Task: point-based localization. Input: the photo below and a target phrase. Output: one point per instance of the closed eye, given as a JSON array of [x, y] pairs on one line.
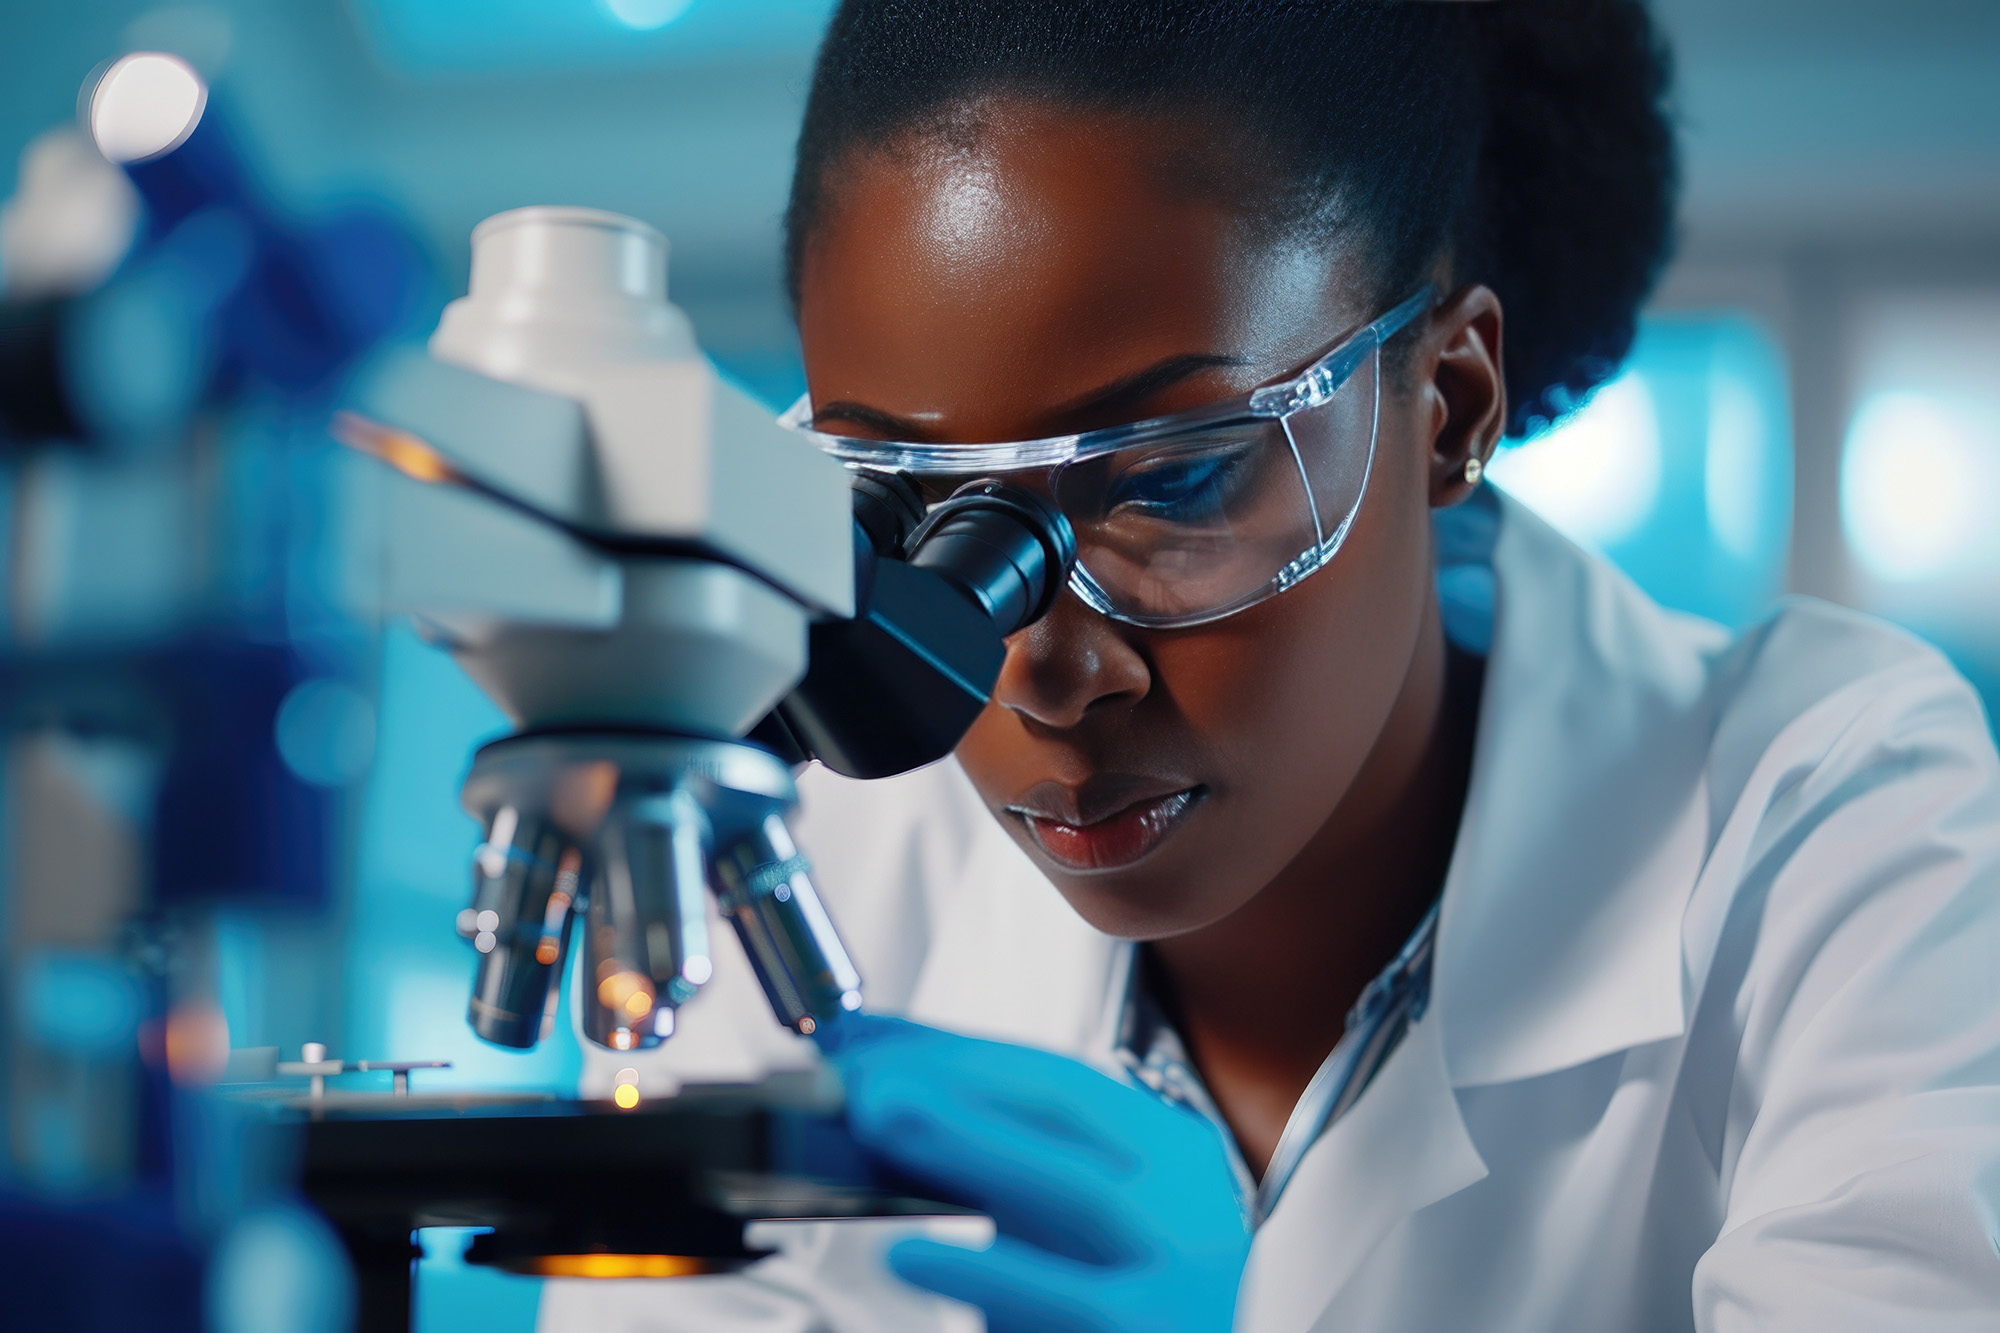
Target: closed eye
[[1180, 487]]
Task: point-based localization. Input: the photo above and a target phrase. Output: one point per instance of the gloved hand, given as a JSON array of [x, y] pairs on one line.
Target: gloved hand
[[1116, 1212]]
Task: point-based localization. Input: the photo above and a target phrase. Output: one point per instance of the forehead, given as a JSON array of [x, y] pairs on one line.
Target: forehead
[[1028, 254]]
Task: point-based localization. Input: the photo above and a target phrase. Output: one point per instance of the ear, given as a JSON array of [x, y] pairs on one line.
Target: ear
[[1462, 390]]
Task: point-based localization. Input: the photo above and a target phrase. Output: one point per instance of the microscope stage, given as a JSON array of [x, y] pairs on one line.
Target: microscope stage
[[584, 1187]]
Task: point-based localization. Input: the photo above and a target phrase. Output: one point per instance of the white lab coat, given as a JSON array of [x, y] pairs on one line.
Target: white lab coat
[[1714, 1042]]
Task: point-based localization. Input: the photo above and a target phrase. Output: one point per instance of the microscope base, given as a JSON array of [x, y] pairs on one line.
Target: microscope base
[[584, 1189]]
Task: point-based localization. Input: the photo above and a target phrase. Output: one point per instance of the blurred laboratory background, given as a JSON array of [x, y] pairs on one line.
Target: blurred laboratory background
[[1813, 406]]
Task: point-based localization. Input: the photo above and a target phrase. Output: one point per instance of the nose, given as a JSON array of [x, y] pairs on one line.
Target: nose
[[1068, 664]]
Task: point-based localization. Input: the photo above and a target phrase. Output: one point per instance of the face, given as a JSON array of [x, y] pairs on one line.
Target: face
[[1035, 271]]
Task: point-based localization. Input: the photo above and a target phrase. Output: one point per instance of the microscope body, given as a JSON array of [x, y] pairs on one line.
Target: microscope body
[[626, 552], [644, 569]]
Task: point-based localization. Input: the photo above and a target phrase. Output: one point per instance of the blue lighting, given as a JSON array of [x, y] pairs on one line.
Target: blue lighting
[[487, 36], [646, 15], [78, 1003], [1679, 470], [453, 1294]]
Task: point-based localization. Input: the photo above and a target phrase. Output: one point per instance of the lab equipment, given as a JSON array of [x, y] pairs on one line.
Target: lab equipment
[[158, 634], [1115, 1210], [642, 568], [315, 1066], [276, 305], [1188, 518], [630, 1189]]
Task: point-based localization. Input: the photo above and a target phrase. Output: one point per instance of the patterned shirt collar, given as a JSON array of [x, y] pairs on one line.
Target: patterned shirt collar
[[1154, 1056]]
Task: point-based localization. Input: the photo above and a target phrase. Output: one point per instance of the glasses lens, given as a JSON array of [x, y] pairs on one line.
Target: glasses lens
[[1206, 523], [1167, 530]]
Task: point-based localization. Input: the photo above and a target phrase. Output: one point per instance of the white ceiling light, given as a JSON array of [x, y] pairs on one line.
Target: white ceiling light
[[1911, 480], [1596, 476], [146, 103], [645, 15]]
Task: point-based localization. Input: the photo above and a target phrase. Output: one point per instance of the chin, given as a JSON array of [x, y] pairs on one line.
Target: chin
[[1140, 903]]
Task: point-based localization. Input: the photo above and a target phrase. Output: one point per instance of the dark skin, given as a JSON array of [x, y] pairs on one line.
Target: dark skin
[[1036, 270]]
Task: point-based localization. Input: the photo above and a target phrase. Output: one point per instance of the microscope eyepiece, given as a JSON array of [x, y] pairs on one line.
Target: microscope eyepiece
[[1005, 546], [888, 507], [897, 687]]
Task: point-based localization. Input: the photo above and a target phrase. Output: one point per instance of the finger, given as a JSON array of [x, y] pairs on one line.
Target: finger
[[845, 1033], [1045, 1189], [1021, 1289], [1067, 1097], [935, 1130], [850, 1037]]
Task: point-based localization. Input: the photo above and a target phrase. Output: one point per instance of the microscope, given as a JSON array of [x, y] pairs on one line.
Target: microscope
[[675, 600]]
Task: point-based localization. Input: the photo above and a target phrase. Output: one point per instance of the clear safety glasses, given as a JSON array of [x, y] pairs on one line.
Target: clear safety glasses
[[1187, 518]]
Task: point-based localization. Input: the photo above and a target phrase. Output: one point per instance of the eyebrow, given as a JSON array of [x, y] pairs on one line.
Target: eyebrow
[[887, 424], [1119, 395], [1137, 388]]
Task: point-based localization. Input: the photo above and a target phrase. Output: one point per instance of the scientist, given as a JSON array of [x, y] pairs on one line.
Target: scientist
[[1441, 935]]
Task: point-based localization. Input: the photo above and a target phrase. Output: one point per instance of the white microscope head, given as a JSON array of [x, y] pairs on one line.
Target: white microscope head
[[591, 409], [573, 301]]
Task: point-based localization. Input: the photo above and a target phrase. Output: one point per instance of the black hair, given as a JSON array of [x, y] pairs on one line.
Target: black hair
[[1526, 141]]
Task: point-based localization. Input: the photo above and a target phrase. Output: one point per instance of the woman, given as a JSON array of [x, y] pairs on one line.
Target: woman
[[1476, 945]]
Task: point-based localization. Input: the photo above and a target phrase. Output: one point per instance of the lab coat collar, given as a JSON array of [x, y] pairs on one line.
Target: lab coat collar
[[1586, 822], [1401, 1147], [1559, 930]]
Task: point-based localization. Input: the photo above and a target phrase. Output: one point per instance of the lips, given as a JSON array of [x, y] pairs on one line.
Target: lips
[[1106, 825]]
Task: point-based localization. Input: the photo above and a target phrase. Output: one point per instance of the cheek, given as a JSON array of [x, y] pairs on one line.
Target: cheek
[[1295, 692], [1290, 699]]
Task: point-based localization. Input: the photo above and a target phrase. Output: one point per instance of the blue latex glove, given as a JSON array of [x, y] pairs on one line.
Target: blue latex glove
[[1115, 1211]]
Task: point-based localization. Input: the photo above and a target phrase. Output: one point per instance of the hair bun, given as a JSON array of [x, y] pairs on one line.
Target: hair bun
[[1578, 186]]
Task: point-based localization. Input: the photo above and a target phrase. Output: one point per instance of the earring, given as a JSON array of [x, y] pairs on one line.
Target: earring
[[1475, 468]]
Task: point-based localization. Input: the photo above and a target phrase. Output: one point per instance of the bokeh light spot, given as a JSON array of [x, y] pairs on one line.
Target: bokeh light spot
[[645, 15], [1596, 475], [146, 103], [1911, 480], [326, 733]]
